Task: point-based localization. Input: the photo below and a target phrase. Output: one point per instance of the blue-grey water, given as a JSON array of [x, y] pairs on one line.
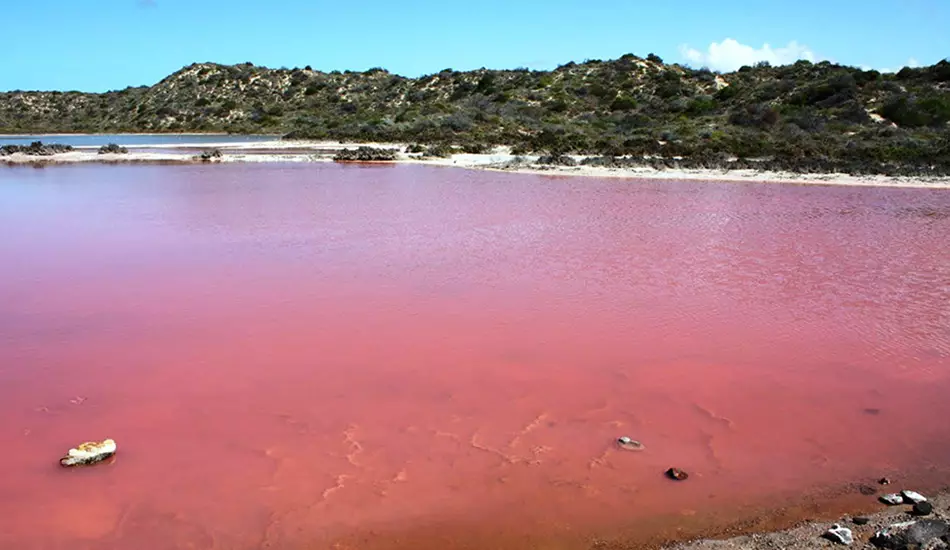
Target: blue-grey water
[[96, 140]]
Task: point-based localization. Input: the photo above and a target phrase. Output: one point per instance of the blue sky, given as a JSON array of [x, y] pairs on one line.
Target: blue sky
[[97, 45]]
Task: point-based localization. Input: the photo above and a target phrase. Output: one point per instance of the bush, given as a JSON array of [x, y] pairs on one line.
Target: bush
[[623, 103], [112, 149], [36, 148], [911, 112], [557, 160], [366, 154], [438, 151]]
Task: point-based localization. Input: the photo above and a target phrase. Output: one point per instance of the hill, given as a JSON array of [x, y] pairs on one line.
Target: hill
[[802, 117]]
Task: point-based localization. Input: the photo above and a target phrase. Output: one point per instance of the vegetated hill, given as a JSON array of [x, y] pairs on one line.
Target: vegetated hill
[[805, 116]]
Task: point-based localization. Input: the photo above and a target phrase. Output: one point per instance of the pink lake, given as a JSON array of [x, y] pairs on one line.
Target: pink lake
[[325, 356]]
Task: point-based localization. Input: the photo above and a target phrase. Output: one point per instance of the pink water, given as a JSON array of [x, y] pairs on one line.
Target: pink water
[[408, 357]]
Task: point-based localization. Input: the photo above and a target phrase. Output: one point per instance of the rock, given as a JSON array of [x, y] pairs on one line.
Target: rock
[[884, 481], [922, 508], [89, 453], [839, 534], [910, 534], [892, 499], [867, 490], [677, 474], [112, 149], [911, 496], [629, 444], [861, 520], [925, 530]]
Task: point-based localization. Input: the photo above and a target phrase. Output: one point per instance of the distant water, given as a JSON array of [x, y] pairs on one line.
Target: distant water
[[95, 140], [385, 358]]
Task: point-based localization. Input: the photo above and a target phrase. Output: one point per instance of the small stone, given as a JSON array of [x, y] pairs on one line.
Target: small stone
[[861, 520], [839, 534], [629, 444], [867, 490], [884, 481], [677, 474], [892, 499], [89, 453], [911, 496], [922, 508]]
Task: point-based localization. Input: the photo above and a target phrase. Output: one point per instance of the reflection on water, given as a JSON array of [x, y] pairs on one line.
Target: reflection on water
[[382, 357]]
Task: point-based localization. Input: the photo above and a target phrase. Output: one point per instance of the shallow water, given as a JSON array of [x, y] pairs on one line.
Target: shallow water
[[97, 140], [405, 356]]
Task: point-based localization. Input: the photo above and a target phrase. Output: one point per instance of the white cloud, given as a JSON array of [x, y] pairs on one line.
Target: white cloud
[[730, 54], [912, 63]]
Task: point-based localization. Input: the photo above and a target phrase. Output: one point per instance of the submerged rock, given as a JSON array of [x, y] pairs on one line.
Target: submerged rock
[[677, 474], [839, 534], [629, 444], [892, 499], [89, 453], [861, 520], [913, 497]]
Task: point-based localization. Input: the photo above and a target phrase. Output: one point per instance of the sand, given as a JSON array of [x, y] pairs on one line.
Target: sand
[[499, 159]]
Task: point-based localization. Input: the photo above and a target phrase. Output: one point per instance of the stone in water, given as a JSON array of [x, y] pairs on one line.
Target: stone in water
[[677, 474], [89, 453], [629, 444]]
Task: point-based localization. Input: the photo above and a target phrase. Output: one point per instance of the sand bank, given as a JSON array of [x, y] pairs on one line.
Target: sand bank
[[500, 159]]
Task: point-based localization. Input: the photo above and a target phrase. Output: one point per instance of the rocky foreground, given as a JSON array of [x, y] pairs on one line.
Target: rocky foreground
[[910, 525]]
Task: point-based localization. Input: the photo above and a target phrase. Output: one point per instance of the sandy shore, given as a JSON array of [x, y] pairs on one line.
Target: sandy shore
[[500, 159]]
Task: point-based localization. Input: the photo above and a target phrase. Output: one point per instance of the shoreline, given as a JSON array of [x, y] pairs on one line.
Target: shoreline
[[810, 534], [499, 159]]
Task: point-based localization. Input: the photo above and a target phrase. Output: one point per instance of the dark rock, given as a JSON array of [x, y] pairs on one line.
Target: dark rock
[[867, 490], [922, 508], [37, 148], [208, 156], [884, 481], [112, 149], [677, 474], [861, 520]]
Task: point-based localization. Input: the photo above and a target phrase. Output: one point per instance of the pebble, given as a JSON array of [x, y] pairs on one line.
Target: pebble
[[911, 496], [923, 508], [884, 481], [860, 520], [677, 474], [892, 499], [839, 534]]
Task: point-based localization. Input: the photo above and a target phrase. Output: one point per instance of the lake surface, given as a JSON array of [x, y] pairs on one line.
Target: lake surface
[[98, 140], [325, 356]]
